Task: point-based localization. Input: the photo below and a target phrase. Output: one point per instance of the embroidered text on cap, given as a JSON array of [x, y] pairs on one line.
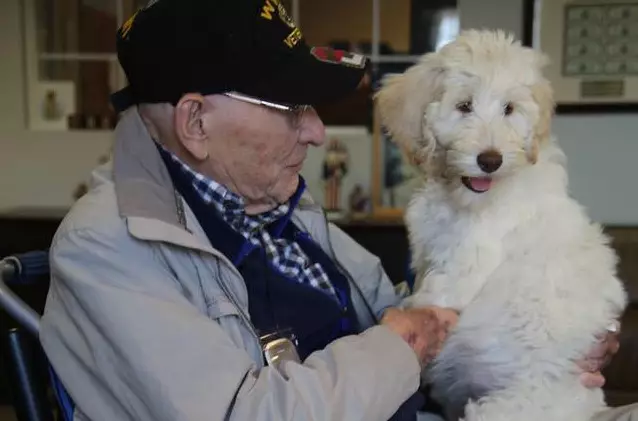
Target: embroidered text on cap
[[268, 9]]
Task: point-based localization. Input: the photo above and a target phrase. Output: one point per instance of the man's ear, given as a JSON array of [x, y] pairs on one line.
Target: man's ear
[[402, 102], [189, 125]]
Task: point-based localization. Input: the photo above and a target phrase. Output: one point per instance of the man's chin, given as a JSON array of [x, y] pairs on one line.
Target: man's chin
[[287, 188]]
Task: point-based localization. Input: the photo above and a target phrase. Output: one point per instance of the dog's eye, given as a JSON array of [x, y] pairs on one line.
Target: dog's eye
[[508, 108], [464, 107]]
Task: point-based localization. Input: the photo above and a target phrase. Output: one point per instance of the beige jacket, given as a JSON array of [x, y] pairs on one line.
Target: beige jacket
[[146, 321]]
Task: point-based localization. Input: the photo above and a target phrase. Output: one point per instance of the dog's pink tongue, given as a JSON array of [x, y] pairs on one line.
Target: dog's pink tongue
[[481, 183]]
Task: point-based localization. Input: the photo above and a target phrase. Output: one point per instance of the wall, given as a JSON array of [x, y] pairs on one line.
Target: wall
[[37, 169], [601, 149]]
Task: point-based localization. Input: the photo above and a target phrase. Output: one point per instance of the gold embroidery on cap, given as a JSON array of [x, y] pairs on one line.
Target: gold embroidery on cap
[[266, 11], [284, 16], [128, 25], [293, 38]]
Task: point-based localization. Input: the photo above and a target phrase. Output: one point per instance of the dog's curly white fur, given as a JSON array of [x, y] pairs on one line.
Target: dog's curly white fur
[[498, 237]]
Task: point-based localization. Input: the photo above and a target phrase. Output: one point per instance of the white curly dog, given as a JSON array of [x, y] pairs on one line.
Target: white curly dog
[[495, 234]]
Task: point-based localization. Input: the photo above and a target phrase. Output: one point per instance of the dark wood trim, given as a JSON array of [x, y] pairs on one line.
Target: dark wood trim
[[586, 108], [528, 22]]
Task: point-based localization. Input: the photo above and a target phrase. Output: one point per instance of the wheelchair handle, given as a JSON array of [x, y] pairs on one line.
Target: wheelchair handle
[[30, 266], [22, 269]]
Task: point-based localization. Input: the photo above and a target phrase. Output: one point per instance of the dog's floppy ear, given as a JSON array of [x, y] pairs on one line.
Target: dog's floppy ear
[[543, 96], [401, 103]]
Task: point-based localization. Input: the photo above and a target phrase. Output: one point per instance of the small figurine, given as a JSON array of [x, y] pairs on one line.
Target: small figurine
[[358, 200], [335, 167]]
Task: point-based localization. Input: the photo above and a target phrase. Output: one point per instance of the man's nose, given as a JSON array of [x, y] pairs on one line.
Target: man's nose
[[312, 130]]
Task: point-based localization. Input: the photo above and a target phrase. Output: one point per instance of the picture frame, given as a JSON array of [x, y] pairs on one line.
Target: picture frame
[[50, 105], [393, 177], [356, 143], [593, 53]]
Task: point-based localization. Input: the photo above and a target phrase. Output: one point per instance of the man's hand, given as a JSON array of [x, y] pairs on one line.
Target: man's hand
[[424, 329], [598, 358]]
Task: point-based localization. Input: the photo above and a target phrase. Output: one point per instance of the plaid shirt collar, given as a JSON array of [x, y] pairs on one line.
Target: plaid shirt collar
[[229, 204], [287, 256]]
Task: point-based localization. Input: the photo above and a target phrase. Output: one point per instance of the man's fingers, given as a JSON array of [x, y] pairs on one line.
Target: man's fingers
[[447, 316], [592, 380], [614, 327], [424, 329], [615, 346], [600, 350], [593, 365]]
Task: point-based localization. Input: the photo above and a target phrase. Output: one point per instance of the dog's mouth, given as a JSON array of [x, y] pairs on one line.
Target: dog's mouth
[[477, 184]]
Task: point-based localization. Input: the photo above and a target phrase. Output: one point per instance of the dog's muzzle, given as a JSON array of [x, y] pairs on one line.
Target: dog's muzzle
[[489, 161]]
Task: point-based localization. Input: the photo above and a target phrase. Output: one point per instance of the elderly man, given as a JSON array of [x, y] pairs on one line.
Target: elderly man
[[196, 280]]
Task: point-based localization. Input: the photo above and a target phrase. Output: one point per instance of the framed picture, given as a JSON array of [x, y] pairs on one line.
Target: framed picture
[[593, 50], [50, 105], [338, 174], [393, 177]]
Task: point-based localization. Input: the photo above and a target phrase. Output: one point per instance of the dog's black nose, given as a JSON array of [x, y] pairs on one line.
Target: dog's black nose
[[489, 161]]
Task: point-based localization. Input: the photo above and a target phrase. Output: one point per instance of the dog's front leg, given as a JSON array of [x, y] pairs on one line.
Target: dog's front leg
[[436, 289], [449, 290], [537, 398], [454, 272]]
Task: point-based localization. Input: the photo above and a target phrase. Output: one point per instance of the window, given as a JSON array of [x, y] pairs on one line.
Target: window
[[393, 33], [72, 65], [71, 61], [447, 27], [387, 30]]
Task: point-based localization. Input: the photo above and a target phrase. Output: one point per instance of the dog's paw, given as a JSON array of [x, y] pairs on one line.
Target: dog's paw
[[490, 410], [472, 413]]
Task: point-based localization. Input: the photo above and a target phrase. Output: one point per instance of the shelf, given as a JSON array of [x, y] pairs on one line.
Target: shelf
[[110, 57], [396, 58], [370, 220]]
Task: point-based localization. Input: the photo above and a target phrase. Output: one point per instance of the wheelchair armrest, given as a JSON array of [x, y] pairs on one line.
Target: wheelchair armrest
[[28, 267], [21, 269]]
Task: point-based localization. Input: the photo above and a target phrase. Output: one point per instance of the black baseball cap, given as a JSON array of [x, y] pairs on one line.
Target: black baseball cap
[[173, 47]]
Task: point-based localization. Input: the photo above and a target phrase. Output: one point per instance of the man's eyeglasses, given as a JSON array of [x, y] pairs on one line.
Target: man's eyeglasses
[[296, 112]]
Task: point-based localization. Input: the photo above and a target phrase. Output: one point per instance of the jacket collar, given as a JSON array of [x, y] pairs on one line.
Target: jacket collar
[[147, 198]]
